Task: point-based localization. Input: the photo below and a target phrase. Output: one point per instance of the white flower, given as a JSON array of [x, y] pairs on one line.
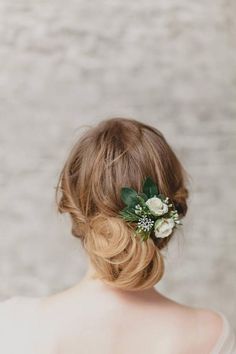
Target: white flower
[[156, 206], [163, 227]]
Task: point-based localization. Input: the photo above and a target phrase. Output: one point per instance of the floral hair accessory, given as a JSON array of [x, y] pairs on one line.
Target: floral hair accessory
[[151, 211]]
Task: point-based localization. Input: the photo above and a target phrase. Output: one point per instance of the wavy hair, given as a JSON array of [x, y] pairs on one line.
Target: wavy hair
[[119, 152]]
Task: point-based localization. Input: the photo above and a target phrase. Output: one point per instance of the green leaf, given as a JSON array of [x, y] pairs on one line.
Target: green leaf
[[128, 214], [145, 236], [129, 196], [150, 188], [141, 201], [143, 196]]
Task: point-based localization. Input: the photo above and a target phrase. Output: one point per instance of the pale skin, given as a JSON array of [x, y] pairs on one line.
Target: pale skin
[[92, 317]]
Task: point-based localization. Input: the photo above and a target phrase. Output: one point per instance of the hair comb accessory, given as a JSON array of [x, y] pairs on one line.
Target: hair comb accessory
[[151, 211]]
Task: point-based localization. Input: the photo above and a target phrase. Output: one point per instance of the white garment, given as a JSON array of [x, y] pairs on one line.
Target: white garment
[[226, 343], [18, 333]]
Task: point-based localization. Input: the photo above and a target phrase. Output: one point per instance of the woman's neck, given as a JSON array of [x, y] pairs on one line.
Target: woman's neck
[[91, 283]]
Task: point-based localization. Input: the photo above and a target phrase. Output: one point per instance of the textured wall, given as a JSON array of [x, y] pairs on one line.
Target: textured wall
[[67, 63]]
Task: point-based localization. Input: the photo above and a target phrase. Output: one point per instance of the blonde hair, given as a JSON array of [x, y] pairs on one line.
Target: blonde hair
[[118, 152]]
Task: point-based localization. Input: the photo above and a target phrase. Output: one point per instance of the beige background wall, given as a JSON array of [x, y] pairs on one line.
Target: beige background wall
[[68, 63]]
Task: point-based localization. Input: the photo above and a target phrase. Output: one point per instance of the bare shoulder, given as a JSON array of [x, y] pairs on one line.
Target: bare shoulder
[[19, 300], [8, 306], [18, 324], [18, 307], [197, 329], [204, 330], [209, 327]]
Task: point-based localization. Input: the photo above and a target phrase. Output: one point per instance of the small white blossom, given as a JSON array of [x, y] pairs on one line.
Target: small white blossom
[[138, 209], [145, 223], [156, 206]]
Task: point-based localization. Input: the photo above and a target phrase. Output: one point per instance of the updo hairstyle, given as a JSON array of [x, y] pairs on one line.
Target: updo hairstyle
[[119, 152]]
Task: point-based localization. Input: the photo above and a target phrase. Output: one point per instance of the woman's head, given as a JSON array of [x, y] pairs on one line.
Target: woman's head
[[119, 152]]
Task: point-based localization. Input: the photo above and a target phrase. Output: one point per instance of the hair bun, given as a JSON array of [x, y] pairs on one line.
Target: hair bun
[[121, 259]]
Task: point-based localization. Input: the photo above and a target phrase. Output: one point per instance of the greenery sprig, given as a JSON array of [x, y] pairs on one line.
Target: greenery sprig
[[151, 210]]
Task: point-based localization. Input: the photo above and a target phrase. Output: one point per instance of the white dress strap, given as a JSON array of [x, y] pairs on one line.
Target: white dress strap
[[226, 343]]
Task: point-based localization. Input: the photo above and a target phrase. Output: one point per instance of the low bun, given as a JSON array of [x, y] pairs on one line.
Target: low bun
[[120, 258]]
